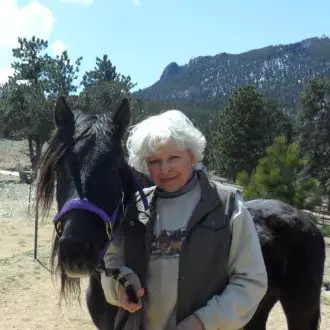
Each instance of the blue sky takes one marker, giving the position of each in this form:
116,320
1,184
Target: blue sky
142,36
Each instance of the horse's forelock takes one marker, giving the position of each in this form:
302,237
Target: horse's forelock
84,127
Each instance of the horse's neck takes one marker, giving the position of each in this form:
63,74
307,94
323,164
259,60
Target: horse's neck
128,183
132,181
143,179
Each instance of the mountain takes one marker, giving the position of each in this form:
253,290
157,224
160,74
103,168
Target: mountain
279,72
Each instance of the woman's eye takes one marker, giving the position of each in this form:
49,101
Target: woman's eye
153,161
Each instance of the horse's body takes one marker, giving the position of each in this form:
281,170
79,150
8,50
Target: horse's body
294,253
86,160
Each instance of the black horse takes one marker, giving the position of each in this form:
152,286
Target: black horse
294,253
94,183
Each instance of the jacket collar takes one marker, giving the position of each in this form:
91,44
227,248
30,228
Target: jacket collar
209,201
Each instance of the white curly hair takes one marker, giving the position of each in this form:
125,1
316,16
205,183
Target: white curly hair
171,126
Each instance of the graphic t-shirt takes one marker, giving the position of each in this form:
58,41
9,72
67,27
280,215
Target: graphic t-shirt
173,213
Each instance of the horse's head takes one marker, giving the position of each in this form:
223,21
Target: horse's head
86,161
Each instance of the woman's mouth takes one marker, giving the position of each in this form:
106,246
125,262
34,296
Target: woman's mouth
169,179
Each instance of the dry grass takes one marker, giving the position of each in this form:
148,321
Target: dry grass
13,155
28,298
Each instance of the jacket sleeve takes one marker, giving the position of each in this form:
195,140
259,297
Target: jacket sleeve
247,283
114,259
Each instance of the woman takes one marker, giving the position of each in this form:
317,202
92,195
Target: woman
194,257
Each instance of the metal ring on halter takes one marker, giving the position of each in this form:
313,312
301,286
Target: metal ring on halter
58,228
108,225
109,230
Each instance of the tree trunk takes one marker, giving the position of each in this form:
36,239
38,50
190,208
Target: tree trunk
31,151
38,150
35,148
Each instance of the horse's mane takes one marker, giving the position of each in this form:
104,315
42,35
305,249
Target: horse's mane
87,127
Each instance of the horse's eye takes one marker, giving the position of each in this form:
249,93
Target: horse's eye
58,228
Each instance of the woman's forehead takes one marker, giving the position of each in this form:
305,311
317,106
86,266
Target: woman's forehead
167,149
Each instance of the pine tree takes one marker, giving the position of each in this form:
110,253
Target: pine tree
314,131
279,175
242,131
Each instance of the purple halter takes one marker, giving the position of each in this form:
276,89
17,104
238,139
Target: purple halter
109,220
84,204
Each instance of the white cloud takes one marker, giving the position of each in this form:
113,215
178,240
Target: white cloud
32,19
137,3
79,2
58,47
5,72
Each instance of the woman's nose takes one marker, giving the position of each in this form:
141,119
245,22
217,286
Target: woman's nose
164,166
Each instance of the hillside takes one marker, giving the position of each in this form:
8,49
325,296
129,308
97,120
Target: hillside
277,71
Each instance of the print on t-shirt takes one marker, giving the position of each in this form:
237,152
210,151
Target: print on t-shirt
167,244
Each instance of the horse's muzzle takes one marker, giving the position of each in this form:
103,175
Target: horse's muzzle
75,258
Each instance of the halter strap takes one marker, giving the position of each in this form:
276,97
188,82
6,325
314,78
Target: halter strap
84,204
140,189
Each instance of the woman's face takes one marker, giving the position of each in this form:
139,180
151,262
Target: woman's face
170,167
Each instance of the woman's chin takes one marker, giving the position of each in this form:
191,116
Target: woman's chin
170,185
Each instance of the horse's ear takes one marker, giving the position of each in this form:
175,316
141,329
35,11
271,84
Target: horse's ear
121,116
63,113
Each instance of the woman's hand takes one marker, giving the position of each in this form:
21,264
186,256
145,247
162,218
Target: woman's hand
125,303
192,322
